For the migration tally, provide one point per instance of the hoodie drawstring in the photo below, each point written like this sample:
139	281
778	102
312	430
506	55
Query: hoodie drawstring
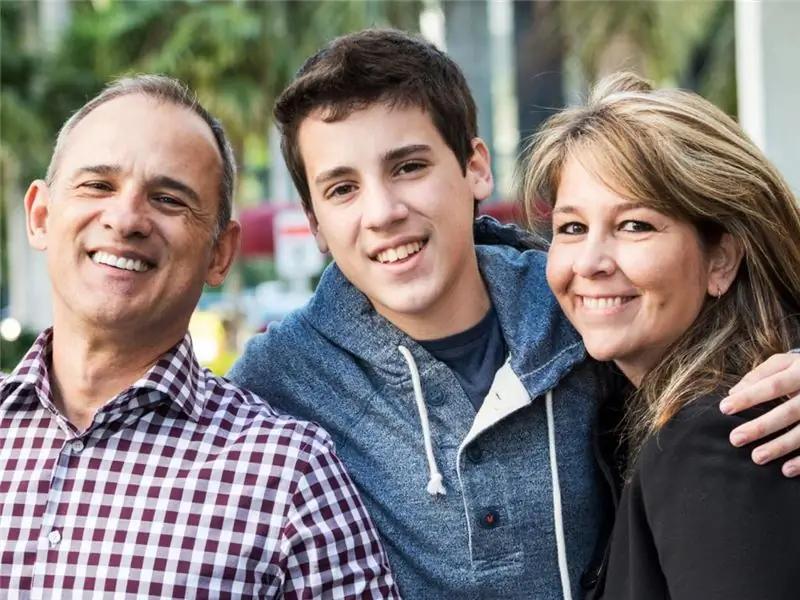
435	485
561	545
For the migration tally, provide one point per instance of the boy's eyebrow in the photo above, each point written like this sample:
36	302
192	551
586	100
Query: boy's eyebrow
392	155
402	152
334	173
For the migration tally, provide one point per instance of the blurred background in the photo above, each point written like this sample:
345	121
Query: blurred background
524	59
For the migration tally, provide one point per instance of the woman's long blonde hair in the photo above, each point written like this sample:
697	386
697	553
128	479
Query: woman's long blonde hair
677	153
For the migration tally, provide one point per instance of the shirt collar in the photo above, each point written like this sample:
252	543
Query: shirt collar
177	375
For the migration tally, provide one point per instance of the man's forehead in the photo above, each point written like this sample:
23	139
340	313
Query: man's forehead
136	128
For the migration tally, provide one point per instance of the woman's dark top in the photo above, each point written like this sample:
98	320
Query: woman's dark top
700	521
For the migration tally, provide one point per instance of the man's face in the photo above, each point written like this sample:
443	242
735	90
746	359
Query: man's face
394	208
128	222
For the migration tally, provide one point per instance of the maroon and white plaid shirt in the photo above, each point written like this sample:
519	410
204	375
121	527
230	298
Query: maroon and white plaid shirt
184	486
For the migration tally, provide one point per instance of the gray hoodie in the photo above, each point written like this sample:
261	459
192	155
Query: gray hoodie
504	503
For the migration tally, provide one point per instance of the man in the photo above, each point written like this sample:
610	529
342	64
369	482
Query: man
127	470
458	395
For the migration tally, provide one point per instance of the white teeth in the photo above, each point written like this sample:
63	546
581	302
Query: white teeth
394	254
601	303
128	264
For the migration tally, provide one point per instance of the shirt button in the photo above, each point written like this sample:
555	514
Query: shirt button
490	519
475	454
54	537
77	447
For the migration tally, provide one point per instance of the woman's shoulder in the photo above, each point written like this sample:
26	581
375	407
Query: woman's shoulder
699	435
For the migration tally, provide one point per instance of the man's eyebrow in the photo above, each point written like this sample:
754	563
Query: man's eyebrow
169	183
402	152
161	181
97	170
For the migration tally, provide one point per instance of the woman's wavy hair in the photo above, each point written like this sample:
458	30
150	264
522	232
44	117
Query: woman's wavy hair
677	153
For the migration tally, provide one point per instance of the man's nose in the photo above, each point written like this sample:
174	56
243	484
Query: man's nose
128	213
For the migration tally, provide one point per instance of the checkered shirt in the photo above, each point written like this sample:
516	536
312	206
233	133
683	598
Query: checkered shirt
184	486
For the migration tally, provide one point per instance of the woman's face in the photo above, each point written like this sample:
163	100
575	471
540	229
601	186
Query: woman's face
630	279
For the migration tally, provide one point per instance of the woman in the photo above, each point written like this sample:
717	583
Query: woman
676	255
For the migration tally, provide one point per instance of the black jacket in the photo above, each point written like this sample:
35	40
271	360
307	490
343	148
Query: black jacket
698	520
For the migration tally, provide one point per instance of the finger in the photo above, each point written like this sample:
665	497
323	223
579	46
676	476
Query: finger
782	416
774	364
780	446
791	468
772	387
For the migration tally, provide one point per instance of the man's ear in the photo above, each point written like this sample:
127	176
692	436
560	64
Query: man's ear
223	253
479	171
37	211
725	260
319	236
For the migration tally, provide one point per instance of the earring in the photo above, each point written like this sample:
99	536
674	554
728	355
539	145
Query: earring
719	292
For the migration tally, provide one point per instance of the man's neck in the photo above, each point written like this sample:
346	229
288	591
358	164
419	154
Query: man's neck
89	370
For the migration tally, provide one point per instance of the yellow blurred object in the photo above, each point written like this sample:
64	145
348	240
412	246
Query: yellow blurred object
222	363
208	337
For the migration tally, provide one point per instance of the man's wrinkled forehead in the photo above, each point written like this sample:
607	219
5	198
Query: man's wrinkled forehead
139	132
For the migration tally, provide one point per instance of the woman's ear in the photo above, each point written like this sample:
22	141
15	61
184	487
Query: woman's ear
725	260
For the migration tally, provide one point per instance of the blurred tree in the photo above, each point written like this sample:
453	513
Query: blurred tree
688	43
237	54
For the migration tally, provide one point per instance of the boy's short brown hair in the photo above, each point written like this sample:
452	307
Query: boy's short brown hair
356	71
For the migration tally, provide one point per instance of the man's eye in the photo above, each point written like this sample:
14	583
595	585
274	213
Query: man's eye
572	228
635	226
98	185
168	200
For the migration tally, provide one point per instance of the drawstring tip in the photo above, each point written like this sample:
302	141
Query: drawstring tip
435	485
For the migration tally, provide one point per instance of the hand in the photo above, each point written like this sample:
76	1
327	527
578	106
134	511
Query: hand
777	377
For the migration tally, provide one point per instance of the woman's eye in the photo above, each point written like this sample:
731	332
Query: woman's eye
572	228
636	226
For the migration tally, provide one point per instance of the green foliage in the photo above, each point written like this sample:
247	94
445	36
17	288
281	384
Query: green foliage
12	352
237	54
689	43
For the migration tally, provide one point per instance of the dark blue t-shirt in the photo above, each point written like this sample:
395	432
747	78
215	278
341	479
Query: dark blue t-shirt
474	355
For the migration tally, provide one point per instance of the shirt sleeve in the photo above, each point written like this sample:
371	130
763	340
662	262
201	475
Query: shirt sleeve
334	550
723	527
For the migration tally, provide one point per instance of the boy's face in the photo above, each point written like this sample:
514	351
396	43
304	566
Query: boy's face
395	210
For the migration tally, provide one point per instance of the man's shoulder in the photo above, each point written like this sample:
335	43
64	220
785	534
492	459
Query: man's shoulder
247	415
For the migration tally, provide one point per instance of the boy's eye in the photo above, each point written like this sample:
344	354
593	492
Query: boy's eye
410	167
342	190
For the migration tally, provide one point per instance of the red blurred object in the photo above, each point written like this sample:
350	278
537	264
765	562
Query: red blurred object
258	234
258	238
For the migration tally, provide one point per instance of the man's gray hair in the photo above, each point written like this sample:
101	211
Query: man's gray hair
164	89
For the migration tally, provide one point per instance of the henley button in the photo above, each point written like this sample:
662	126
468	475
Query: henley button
490	519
